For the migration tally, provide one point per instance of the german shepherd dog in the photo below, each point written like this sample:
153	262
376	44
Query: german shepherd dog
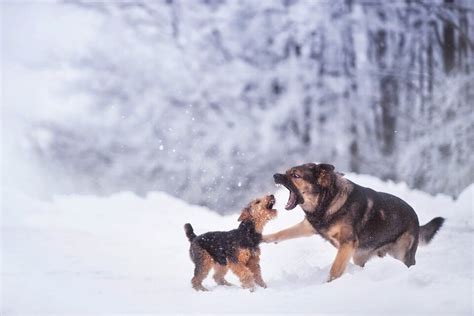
358	221
236	249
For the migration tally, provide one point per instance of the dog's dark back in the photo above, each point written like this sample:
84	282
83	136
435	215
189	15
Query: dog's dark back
386	220
223	246
377	218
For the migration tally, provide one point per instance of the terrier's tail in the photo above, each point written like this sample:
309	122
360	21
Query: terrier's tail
189	232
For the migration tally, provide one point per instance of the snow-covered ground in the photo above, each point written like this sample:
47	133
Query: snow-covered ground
126	254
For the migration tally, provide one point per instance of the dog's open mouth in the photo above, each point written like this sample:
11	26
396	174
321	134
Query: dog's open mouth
271	202
294	198
270	210
292	201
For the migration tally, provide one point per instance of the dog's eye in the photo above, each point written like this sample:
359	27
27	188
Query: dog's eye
294	175
258	201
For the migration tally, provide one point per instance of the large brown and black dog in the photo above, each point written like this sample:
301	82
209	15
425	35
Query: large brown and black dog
359	221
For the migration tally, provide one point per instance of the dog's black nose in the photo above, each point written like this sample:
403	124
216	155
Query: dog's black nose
272	196
278	177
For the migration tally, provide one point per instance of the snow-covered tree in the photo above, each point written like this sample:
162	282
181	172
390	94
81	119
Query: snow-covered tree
207	99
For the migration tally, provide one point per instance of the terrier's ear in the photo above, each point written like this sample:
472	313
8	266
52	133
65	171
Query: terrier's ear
326	167
245	215
311	166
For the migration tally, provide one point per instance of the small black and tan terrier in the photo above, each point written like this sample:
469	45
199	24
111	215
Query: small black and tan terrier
237	250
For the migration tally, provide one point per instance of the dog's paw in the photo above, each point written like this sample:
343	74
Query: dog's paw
250	286
331	278
200	288
262	284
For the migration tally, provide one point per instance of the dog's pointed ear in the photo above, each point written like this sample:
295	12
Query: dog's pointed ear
245	215
326	177
326	167
314	169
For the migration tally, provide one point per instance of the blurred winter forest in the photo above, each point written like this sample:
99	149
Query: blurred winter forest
206	99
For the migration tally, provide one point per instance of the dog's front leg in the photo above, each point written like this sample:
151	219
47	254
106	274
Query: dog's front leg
245	275
344	254
302	229
254	266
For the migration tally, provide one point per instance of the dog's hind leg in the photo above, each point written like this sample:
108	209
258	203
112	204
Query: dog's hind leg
404	249
409	258
203	263
219	274
201	270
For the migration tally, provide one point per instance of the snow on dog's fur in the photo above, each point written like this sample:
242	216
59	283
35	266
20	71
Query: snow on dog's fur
237	249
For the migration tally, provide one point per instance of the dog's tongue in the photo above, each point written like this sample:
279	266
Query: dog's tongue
291	204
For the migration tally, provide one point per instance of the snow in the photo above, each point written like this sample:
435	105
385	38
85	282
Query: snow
122	253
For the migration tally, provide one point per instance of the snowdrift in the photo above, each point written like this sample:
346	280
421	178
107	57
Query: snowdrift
126	254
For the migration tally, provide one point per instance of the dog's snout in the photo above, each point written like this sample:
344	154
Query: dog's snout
272	196
279	178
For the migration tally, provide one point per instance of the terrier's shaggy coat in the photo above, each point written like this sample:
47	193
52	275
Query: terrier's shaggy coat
237	250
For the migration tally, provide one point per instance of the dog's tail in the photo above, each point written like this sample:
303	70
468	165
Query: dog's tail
428	230
189	232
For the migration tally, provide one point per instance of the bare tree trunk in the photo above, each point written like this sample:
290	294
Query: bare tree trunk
389	106
449	47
